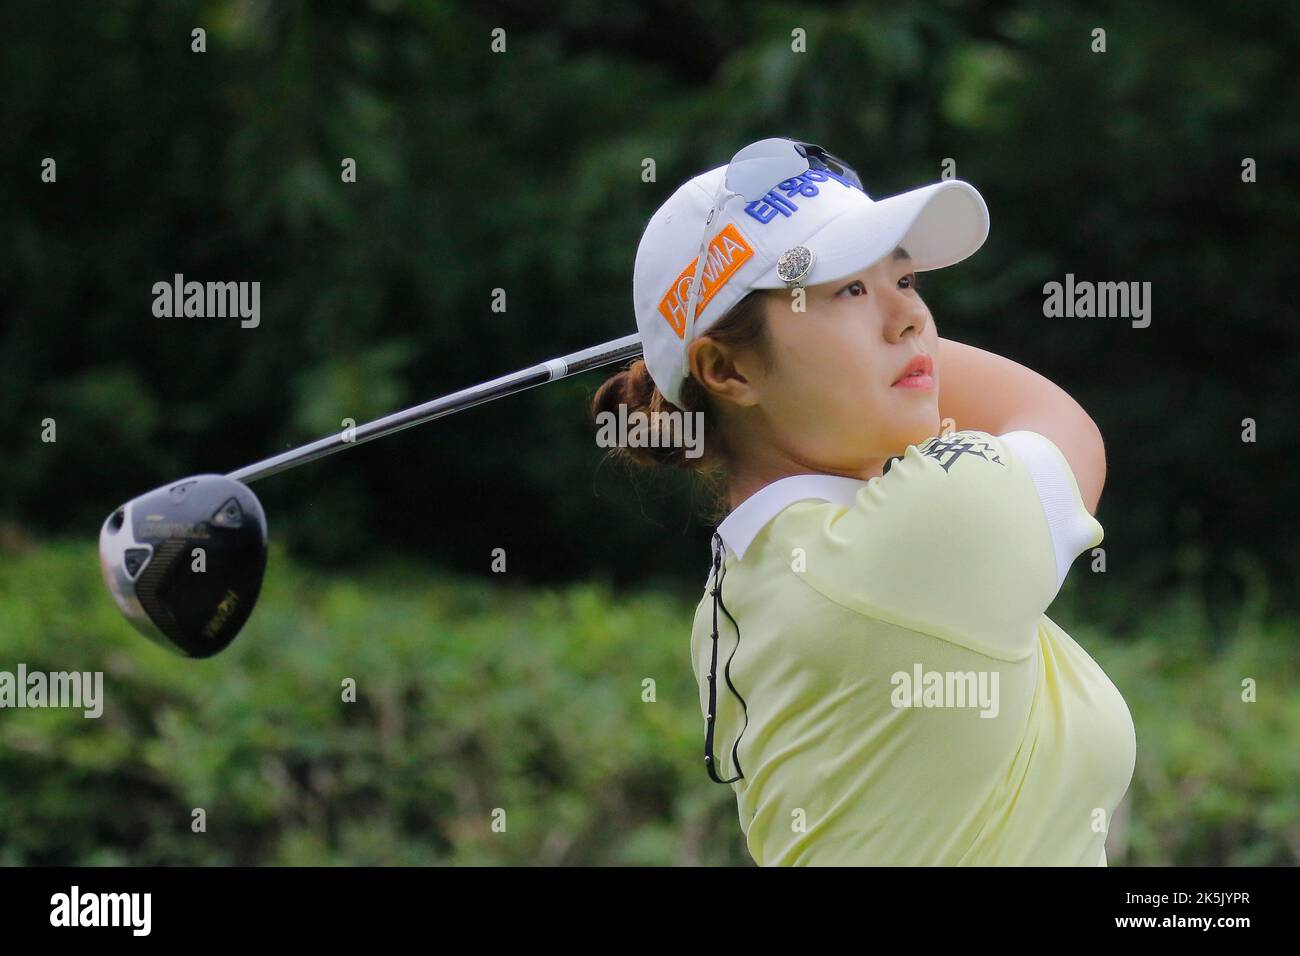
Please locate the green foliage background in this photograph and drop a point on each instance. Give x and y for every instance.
(473, 697)
(522, 171)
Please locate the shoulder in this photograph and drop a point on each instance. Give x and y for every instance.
(944, 476)
(966, 536)
(1014, 487)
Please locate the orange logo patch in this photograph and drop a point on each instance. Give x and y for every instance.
(726, 253)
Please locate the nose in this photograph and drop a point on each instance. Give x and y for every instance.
(904, 314)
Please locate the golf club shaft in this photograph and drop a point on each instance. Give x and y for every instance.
(617, 350)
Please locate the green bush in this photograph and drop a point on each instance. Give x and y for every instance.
(469, 698)
(473, 696)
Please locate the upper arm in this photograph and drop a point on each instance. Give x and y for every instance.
(1072, 527)
(1077, 436)
(990, 392)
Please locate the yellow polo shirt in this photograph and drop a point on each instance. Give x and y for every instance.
(909, 702)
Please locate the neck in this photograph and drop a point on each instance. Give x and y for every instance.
(756, 475)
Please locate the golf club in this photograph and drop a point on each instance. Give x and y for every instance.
(185, 562)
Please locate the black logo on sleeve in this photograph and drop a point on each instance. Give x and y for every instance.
(947, 450)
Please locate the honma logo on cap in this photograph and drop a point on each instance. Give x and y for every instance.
(727, 252)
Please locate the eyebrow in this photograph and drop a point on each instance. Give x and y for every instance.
(899, 253)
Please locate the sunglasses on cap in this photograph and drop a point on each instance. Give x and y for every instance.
(752, 172)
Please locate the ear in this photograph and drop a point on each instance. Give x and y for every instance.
(722, 373)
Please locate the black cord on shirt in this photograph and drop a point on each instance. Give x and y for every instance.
(718, 574)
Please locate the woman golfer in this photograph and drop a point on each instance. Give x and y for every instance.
(894, 692)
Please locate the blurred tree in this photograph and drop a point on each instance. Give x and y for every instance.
(522, 171)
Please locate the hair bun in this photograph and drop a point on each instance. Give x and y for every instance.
(634, 390)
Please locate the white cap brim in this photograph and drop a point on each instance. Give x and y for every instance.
(938, 225)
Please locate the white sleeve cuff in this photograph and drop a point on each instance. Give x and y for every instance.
(1072, 528)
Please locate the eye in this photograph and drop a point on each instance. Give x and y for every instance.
(908, 281)
(855, 284)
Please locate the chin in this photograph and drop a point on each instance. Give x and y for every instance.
(919, 430)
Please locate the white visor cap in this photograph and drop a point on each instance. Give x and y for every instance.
(844, 230)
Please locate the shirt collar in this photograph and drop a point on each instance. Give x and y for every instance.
(748, 518)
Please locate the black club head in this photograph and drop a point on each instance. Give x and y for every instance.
(185, 562)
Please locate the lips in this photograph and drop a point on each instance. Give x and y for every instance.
(920, 365)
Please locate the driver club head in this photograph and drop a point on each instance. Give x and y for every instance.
(184, 562)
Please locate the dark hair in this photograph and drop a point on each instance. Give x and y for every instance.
(743, 327)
